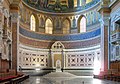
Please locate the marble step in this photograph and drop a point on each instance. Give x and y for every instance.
(59, 74)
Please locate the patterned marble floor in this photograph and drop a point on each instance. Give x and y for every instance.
(77, 80)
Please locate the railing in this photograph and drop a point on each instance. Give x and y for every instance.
(115, 31)
(115, 36)
(79, 8)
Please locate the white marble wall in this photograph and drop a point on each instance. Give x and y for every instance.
(33, 58)
(82, 58)
(73, 58)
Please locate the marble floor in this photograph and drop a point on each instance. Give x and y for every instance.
(76, 80)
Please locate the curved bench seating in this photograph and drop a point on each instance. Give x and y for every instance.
(15, 79)
(109, 75)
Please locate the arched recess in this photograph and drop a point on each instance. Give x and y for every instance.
(66, 26)
(34, 22)
(49, 26)
(41, 22)
(58, 45)
(57, 54)
(82, 24)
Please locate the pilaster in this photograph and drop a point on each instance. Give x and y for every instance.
(1, 27)
(15, 35)
(104, 11)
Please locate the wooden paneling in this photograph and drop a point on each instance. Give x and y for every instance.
(115, 65)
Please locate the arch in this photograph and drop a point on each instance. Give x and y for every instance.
(82, 24)
(58, 45)
(49, 26)
(66, 26)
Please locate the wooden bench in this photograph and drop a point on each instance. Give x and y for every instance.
(7, 73)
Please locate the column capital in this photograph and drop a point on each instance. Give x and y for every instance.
(104, 10)
(14, 17)
(105, 2)
(104, 21)
(104, 7)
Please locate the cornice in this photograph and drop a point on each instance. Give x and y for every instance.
(112, 4)
(104, 9)
(15, 5)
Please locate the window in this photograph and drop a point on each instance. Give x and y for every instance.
(64, 2)
(80, 3)
(66, 27)
(75, 3)
(48, 27)
(41, 22)
(83, 24)
(52, 2)
(33, 23)
(88, 1)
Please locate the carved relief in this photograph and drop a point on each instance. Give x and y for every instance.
(1, 2)
(6, 13)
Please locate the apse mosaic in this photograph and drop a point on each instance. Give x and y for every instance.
(61, 5)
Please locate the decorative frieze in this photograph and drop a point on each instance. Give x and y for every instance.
(1, 2)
